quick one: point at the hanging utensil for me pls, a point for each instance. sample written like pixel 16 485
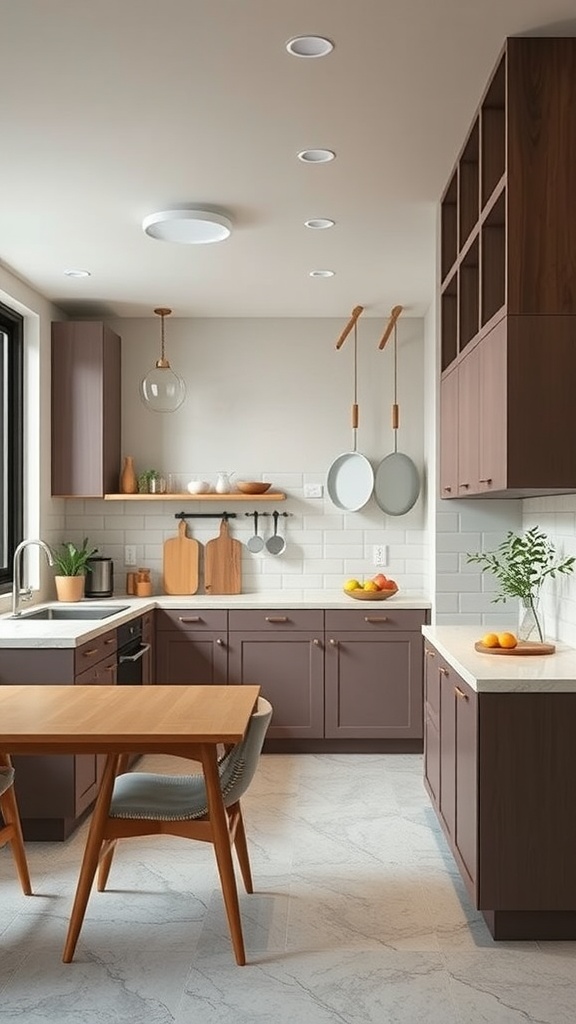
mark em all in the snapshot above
pixel 275 544
pixel 255 543
pixel 397 481
pixel 350 479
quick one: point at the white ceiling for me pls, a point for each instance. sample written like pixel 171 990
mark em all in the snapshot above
pixel 113 109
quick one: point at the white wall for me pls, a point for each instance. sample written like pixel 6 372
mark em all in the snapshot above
pixel 271 399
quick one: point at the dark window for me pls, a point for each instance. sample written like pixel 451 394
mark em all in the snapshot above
pixel 11 448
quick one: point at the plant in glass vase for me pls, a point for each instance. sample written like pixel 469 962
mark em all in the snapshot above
pixel 521 563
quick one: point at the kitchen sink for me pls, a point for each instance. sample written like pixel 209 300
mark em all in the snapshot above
pixel 74 613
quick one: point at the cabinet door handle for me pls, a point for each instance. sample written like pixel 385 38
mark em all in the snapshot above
pixel 189 618
pixel 464 485
pixel 430 654
pixel 88 654
pixel 333 642
pixel 375 618
pixel 443 671
pixel 277 618
pixel 460 693
pixel 220 642
pixel 316 641
pixel 112 640
pixel 448 489
pixel 487 480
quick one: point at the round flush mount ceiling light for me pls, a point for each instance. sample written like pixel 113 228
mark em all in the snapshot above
pixel 316 156
pixel 309 46
pixel 188 227
pixel 321 273
pixel 319 223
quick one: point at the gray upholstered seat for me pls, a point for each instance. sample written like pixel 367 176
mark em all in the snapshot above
pixel 11 830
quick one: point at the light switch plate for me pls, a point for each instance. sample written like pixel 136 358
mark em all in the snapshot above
pixel 313 490
pixel 130 554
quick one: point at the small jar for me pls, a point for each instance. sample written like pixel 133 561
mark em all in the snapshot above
pixel 131 583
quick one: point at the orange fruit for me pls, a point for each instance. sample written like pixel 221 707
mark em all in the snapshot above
pixel 491 640
pixel 507 640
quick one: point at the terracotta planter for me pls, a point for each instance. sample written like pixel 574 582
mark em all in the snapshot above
pixel 70 588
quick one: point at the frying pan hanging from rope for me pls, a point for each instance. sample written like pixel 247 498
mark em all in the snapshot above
pixel 350 480
pixel 397 481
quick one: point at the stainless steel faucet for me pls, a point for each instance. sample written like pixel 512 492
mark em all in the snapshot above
pixel 17 593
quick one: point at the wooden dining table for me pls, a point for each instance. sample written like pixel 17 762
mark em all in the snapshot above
pixel 189 721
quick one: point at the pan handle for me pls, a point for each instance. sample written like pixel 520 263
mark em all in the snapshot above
pixel 355 416
pixel 395 416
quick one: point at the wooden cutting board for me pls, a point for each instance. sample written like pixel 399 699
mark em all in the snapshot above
pixel 522 647
pixel 181 558
pixel 223 564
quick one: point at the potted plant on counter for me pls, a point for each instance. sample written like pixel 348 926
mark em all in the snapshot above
pixel 521 563
pixel 71 568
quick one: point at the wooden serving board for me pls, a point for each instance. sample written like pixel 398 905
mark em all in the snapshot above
pixel 180 565
pixel 523 647
pixel 223 563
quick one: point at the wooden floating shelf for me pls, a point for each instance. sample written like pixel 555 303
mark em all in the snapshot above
pixel 185 496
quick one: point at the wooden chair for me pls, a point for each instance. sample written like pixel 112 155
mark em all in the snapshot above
pixel 11 830
pixel 145 804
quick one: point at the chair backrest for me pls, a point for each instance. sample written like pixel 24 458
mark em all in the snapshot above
pixel 237 768
pixel 6 778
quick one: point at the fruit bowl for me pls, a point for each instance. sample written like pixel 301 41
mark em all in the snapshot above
pixel 252 486
pixel 371 595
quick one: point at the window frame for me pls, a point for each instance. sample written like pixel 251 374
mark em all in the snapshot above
pixel 12 325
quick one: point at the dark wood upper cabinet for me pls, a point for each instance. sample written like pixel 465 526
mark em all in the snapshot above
pixel 85 409
pixel 508 274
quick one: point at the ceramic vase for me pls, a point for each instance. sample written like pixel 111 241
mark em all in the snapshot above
pixel 128 478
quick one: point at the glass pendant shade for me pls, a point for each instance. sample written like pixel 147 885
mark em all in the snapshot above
pixel 162 390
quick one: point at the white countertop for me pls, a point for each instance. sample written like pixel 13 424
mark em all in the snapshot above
pixel 500 673
pixel 36 633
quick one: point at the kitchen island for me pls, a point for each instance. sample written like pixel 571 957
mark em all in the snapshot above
pixel 499 766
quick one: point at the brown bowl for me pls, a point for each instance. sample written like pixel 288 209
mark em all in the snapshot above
pixel 371 595
pixel 252 487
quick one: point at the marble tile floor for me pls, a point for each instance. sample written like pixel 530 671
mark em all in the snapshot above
pixel 359 917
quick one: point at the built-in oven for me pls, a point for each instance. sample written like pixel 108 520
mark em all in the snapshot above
pixel 131 653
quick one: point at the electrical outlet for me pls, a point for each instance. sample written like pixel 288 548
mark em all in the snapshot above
pixel 379 554
pixel 313 490
pixel 130 554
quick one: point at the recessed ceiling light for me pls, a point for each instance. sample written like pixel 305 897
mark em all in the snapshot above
pixel 77 273
pixel 319 223
pixel 321 273
pixel 309 46
pixel 316 156
pixel 187 227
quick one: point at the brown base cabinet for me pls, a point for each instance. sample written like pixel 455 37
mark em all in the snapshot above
pixel 500 771
pixel 191 647
pixel 374 674
pixel 283 652
pixel 54 792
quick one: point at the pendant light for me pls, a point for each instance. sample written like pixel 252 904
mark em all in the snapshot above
pixel 162 390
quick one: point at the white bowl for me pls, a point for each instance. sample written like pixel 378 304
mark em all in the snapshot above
pixel 198 486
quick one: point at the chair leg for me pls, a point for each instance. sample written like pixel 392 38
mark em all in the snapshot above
pixel 9 809
pixel 221 840
pixel 90 859
pixel 105 863
pixel 241 846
